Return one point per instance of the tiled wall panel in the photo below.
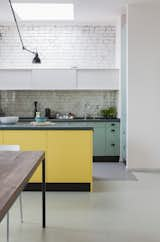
(21, 103)
(84, 46)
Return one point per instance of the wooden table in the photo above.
(16, 168)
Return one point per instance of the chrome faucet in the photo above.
(86, 108)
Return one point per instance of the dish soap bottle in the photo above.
(38, 114)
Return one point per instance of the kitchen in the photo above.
(74, 99)
(85, 87)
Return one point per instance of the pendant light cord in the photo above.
(19, 33)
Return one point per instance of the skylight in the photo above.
(44, 11)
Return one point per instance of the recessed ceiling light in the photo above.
(44, 11)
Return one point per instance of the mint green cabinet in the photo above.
(112, 139)
(99, 140)
(106, 138)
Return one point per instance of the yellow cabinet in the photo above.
(70, 156)
(68, 152)
(1, 137)
(28, 140)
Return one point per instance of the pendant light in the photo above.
(36, 59)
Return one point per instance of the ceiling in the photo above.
(85, 10)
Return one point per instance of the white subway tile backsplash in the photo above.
(21, 102)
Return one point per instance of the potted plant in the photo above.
(110, 112)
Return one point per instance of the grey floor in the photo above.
(112, 171)
(120, 210)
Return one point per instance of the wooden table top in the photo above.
(16, 168)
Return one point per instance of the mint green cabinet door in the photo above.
(113, 148)
(99, 137)
(99, 141)
(112, 139)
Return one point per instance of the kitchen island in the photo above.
(68, 152)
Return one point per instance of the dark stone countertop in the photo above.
(98, 119)
(53, 126)
(57, 124)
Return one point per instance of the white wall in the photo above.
(86, 46)
(144, 86)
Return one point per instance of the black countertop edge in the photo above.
(7, 127)
(23, 119)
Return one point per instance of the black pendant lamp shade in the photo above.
(36, 59)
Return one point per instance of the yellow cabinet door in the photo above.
(70, 156)
(28, 140)
(1, 137)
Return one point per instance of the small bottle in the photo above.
(35, 108)
(38, 114)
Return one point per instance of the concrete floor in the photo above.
(112, 171)
(117, 211)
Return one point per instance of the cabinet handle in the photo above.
(113, 145)
(113, 124)
(113, 130)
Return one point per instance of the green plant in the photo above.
(109, 112)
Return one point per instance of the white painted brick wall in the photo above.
(84, 46)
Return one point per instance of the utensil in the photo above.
(42, 123)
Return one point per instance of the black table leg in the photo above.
(43, 194)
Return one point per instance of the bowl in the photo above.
(9, 120)
(40, 119)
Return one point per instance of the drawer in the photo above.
(114, 130)
(113, 139)
(113, 148)
(113, 125)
